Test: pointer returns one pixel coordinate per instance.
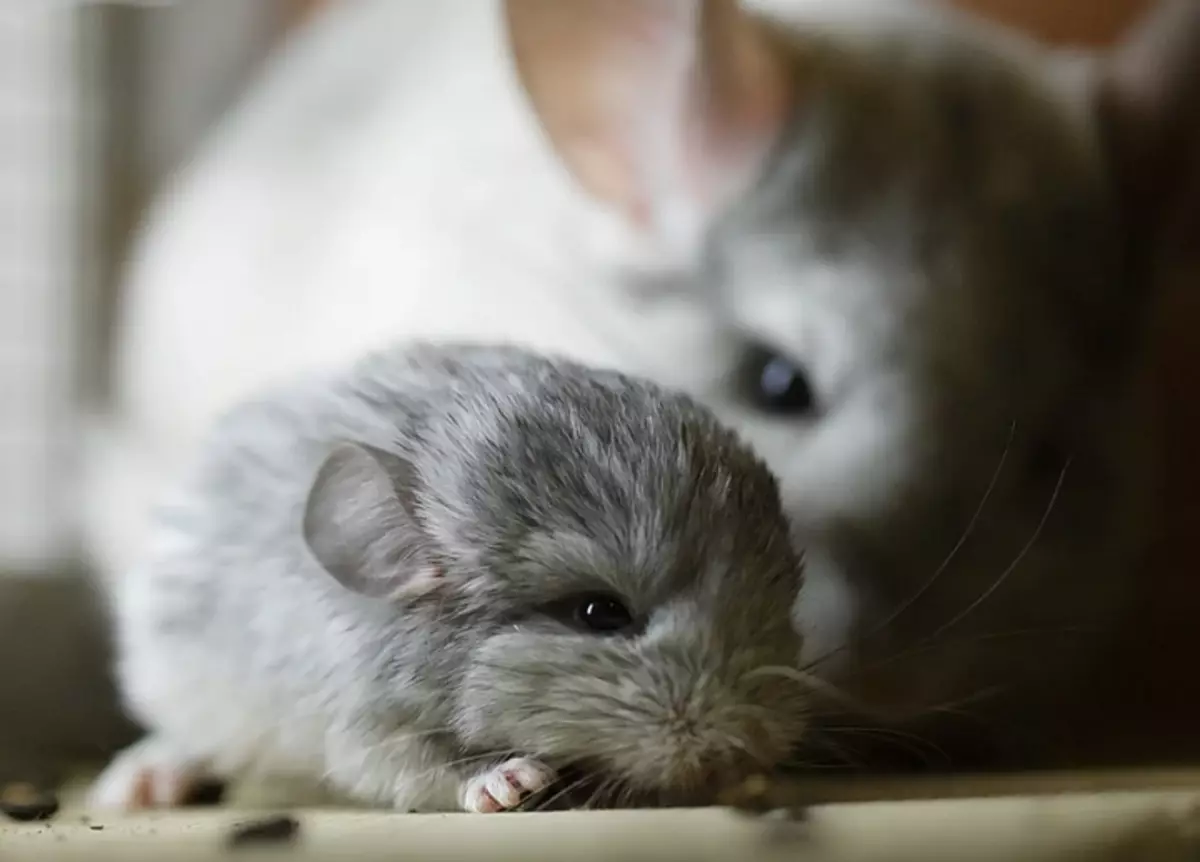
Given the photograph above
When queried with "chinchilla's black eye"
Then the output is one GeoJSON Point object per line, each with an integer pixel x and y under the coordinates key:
{"type": "Point", "coordinates": [776, 384]}
{"type": "Point", "coordinates": [601, 613]}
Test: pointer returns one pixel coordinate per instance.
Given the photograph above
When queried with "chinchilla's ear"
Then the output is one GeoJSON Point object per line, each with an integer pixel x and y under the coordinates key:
{"type": "Point", "coordinates": [360, 526]}
{"type": "Point", "coordinates": [1148, 99]}
{"type": "Point", "coordinates": [660, 108]}
{"type": "Point", "coordinates": [1056, 23]}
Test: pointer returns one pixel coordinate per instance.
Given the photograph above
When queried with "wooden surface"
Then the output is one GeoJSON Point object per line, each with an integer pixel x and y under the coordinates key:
{"type": "Point", "coordinates": [1105, 827]}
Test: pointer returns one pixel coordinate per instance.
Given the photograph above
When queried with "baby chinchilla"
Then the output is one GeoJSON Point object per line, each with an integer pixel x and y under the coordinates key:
{"type": "Point", "coordinates": [441, 578]}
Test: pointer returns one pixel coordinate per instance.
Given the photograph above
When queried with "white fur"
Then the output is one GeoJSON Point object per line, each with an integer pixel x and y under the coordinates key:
{"type": "Point", "coordinates": [389, 180]}
{"type": "Point", "coordinates": [400, 188]}
{"type": "Point", "coordinates": [505, 786]}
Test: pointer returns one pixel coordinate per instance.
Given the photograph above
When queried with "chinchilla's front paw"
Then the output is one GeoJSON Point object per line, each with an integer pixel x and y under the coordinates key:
{"type": "Point", "coordinates": [505, 786]}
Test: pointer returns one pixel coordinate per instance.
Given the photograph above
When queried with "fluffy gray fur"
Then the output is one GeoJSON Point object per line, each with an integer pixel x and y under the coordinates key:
{"type": "Point", "coordinates": [353, 586]}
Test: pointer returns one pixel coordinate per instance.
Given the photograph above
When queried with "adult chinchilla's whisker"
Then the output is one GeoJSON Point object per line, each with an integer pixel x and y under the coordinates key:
{"type": "Point", "coordinates": [926, 646]}
{"type": "Point", "coordinates": [910, 742]}
{"type": "Point", "coordinates": [996, 584]}
{"type": "Point", "coordinates": [962, 539]}
{"type": "Point", "coordinates": [837, 748]}
{"type": "Point", "coordinates": [940, 570]}
{"type": "Point", "coordinates": [798, 724]}
{"type": "Point", "coordinates": [955, 707]}
{"type": "Point", "coordinates": [935, 640]}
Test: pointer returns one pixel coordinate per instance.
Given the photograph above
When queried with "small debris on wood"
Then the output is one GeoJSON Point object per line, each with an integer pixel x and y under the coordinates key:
{"type": "Point", "coordinates": [280, 829]}
{"type": "Point", "coordinates": [758, 795]}
{"type": "Point", "coordinates": [25, 803]}
{"type": "Point", "coordinates": [95, 827]}
{"type": "Point", "coordinates": [205, 794]}
{"type": "Point", "coordinates": [752, 795]}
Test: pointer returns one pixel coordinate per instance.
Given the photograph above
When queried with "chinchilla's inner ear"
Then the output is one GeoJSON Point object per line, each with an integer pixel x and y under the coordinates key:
{"type": "Point", "coordinates": [660, 108]}
{"type": "Point", "coordinates": [1149, 103]}
{"type": "Point", "coordinates": [358, 527]}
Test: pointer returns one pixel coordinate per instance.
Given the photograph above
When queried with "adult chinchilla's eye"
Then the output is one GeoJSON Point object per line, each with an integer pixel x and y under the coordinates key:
{"type": "Point", "coordinates": [776, 384]}
{"type": "Point", "coordinates": [604, 614]}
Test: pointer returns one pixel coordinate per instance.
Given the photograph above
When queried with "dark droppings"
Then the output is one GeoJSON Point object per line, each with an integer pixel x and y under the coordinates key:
{"type": "Point", "coordinates": [25, 803]}
{"type": "Point", "coordinates": [280, 829]}
{"type": "Point", "coordinates": [205, 793]}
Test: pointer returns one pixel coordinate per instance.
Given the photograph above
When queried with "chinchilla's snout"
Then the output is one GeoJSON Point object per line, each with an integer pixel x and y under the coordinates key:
{"type": "Point", "coordinates": [709, 713]}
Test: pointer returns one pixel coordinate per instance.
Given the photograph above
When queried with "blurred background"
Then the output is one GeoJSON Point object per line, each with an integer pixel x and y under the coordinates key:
{"type": "Point", "coordinates": [99, 103]}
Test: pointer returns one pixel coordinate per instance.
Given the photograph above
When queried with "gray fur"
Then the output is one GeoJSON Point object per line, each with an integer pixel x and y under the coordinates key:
{"type": "Point", "coordinates": [451, 492]}
{"type": "Point", "coordinates": [935, 242]}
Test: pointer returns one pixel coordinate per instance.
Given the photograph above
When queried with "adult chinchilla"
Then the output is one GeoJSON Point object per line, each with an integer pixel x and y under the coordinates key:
{"type": "Point", "coordinates": [902, 252]}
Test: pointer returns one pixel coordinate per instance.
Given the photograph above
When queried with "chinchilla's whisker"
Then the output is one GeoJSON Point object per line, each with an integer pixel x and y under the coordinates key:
{"type": "Point", "coordinates": [940, 570]}
{"type": "Point", "coordinates": [810, 681]}
{"type": "Point", "coordinates": [595, 795]}
{"type": "Point", "coordinates": [924, 646]}
{"type": "Point", "coordinates": [837, 747]}
{"type": "Point", "coordinates": [791, 724]}
{"type": "Point", "coordinates": [1012, 567]}
{"type": "Point", "coordinates": [936, 640]}
{"type": "Point", "coordinates": [962, 539]}
{"type": "Point", "coordinates": [562, 792]}
{"type": "Point", "coordinates": [610, 788]}
{"type": "Point", "coordinates": [910, 742]}
{"type": "Point", "coordinates": [955, 707]}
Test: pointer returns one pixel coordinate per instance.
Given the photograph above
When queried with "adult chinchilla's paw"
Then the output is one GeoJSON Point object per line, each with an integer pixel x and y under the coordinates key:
{"type": "Point", "coordinates": [505, 786]}
{"type": "Point", "coordinates": [149, 774]}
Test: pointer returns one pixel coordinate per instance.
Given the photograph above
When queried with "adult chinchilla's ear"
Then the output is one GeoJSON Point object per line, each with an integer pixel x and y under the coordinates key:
{"type": "Point", "coordinates": [660, 108]}
{"type": "Point", "coordinates": [1148, 98]}
{"type": "Point", "coordinates": [360, 529]}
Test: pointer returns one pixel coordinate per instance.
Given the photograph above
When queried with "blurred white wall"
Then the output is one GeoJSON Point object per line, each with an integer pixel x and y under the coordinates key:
{"type": "Point", "coordinates": [194, 57]}
{"type": "Point", "coordinates": [98, 101]}
{"type": "Point", "coordinates": [39, 263]}
{"type": "Point", "coordinates": [177, 65]}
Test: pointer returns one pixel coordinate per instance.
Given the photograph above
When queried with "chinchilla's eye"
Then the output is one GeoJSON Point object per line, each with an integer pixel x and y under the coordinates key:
{"type": "Point", "coordinates": [776, 384]}
{"type": "Point", "coordinates": [595, 613]}
{"type": "Point", "coordinates": [602, 614]}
